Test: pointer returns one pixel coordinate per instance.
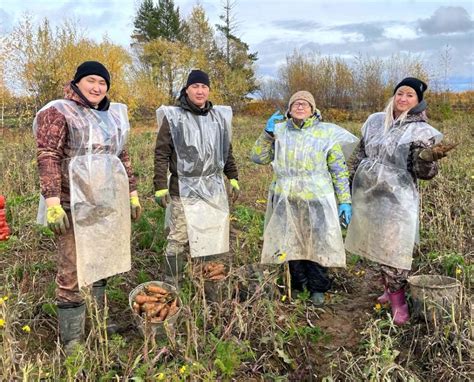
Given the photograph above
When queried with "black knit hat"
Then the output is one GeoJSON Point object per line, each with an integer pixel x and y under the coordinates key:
{"type": "Point", "coordinates": [92, 67]}
{"type": "Point", "coordinates": [417, 85]}
{"type": "Point", "coordinates": [198, 77]}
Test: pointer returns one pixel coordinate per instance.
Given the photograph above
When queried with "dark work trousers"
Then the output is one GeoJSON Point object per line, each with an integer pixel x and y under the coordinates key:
{"type": "Point", "coordinates": [306, 274]}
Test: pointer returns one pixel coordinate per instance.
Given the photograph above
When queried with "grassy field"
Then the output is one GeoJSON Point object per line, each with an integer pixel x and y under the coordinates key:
{"type": "Point", "coordinates": [266, 336]}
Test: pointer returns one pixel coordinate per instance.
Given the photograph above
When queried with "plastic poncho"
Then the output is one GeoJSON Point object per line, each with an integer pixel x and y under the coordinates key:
{"type": "Point", "coordinates": [302, 220]}
{"type": "Point", "coordinates": [100, 205]}
{"type": "Point", "coordinates": [202, 146]}
{"type": "Point", "coordinates": [384, 195]}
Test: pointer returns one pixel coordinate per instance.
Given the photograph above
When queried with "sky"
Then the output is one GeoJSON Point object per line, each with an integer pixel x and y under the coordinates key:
{"type": "Point", "coordinates": [275, 29]}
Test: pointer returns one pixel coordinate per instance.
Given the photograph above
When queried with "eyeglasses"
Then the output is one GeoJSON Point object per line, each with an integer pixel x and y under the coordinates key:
{"type": "Point", "coordinates": [303, 105]}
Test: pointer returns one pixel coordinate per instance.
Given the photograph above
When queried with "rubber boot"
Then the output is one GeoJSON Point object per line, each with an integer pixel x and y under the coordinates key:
{"type": "Point", "coordinates": [399, 305]}
{"type": "Point", "coordinates": [384, 298]}
{"type": "Point", "coordinates": [72, 318]}
{"type": "Point", "coordinates": [98, 293]}
{"type": "Point", "coordinates": [317, 298]}
{"type": "Point", "coordinates": [174, 268]}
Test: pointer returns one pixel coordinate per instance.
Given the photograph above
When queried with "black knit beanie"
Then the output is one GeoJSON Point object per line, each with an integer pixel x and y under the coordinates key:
{"type": "Point", "coordinates": [417, 85]}
{"type": "Point", "coordinates": [198, 77]}
{"type": "Point", "coordinates": [92, 67]}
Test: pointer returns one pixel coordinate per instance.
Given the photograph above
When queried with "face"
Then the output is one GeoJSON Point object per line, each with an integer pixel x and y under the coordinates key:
{"type": "Point", "coordinates": [405, 99]}
{"type": "Point", "coordinates": [300, 109]}
{"type": "Point", "coordinates": [93, 87]}
{"type": "Point", "coordinates": [198, 94]}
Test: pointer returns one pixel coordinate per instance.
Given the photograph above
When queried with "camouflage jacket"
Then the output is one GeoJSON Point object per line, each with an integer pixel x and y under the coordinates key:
{"type": "Point", "coordinates": [54, 152]}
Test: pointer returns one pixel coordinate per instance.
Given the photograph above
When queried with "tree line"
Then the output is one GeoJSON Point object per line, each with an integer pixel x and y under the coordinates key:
{"type": "Point", "coordinates": [37, 60]}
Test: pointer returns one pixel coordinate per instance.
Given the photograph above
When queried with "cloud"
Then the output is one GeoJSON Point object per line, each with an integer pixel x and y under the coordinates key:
{"type": "Point", "coordinates": [297, 25]}
{"type": "Point", "coordinates": [370, 31]}
{"type": "Point", "coordinates": [447, 20]}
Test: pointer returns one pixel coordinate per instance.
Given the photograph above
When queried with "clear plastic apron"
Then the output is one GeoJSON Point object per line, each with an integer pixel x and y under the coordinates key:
{"type": "Point", "coordinates": [384, 223]}
{"type": "Point", "coordinates": [302, 222]}
{"type": "Point", "coordinates": [99, 189]}
{"type": "Point", "coordinates": [202, 146]}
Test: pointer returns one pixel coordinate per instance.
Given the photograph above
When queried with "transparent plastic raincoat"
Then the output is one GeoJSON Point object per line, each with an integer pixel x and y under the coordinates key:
{"type": "Point", "coordinates": [202, 144]}
{"type": "Point", "coordinates": [301, 221]}
{"type": "Point", "coordinates": [100, 205]}
{"type": "Point", "coordinates": [384, 194]}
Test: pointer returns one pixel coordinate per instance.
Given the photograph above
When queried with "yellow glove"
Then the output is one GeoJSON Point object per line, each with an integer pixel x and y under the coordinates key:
{"type": "Point", "coordinates": [235, 189]}
{"type": "Point", "coordinates": [135, 207]}
{"type": "Point", "coordinates": [161, 197]}
{"type": "Point", "coordinates": [57, 219]}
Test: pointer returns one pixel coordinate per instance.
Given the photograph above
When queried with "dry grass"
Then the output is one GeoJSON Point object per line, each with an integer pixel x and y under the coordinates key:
{"type": "Point", "coordinates": [262, 337]}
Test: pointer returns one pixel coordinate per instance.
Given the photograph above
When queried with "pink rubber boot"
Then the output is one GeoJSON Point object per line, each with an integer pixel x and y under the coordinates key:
{"type": "Point", "coordinates": [399, 304]}
{"type": "Point", "coordinates": [384, 298]}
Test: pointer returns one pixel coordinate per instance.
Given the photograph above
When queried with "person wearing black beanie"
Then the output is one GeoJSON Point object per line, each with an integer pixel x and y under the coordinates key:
{"type": "Point", "coordinates": [395, 150]}
{"type": "Point", "coordinates": [88, 192]}
{"type": "Point", "coordinates": [194, 145]}
{"type": "Point", "coordinates": [417, 85]}
{"type": "Point", "coordinates": [88, 68]}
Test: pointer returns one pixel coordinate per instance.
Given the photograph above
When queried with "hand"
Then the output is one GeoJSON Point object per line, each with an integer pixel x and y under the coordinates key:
{"type": "Point", "coordinates": [436, 152]}
{"type": "Point", "coordinates": [57, 219]}
{"type": "Point", "coordinates": [345, 211]}
{"type": "Point", "coordinates": [161, 197]}
{"type": "Point", "coordinates": [135, 207]}
{"type": "Point", "coordinates": [270, 127]}
{"type": "Point", "coordinates": [235, 189]}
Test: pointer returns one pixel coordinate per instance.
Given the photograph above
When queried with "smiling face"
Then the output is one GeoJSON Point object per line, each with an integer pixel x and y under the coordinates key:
{"type": "Point", "coordinates": [300, 110]}
{"type": "Point", "coordinates": [198, 94]}
{"type": "Point", "coordinates": [405, 99]}
{"type": "Point", "coordinates": [93, 87]}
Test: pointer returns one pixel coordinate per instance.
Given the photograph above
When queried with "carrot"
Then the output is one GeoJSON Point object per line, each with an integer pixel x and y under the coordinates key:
{"type": "Point", "coordinates": [216, 272]}
{"type": "Point", "coordinates": [152, 310]}
{"type": "Point", "coordinates": [172, 311]}
{"type": "Point", "coordinates": [142, 298]}
{"type": "Point", "coordinates": [164, 312]}
{"type": "Point", "coordinates": [217, 277]}
{"type": "Point", "coordinates": [136, 308]}
{"type": "Point", "coordinates": [156, 289]}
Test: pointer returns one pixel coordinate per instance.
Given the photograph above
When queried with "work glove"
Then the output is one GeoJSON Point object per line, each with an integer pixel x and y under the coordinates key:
{"type": "Point", "coordinates": [270, 127]}
{"type": "Point", "coordinates": [161, 197]}
{"type": "Point", "coordinates": [345, 213]}
{"type": "Point", "coordinates": [57, 219]}
{"type": "Point", "coordinates": [436, 152]}
{"type": "Point", "coordinates": [135, 207]}
{"type": "Point", "coordinates": [235, 189]}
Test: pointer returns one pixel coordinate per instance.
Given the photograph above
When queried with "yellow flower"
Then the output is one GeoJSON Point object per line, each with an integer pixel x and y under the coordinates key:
{"type": "Point", "coordinates": [458, 271]}
{"type": "Point", "coordinates": [26, 329]}
{"type": "Point", "coordinates": [182, 369]}
{"type": "Point", "coordinates": [261, 201]}
{"type": "Point", "coordinates": [160, 377]}
{"type": "Point", "coordinates": [283, 298]}
{"type": "Point", "coordinates": [282, 256]}
{"type": "Point", "coordinates": [378, 307]}
{"type": "Point", "coordinates": [3, 299]}
{"type": "Point", "coordinates": [2, 322]}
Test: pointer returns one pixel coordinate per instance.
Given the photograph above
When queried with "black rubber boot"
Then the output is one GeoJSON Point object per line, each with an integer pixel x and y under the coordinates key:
{"type": "Point", "coordinates": [298, 277]}
{"type": "Point", "coordinates": [98, 293]}
{"type": "Point", "coordinates": [72, 318]}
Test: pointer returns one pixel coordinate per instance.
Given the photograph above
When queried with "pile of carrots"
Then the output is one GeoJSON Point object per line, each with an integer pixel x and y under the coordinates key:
{"type": "Point", "coordinates": [214, 271]}
{"type": "Point", "coordinates": [155, 303]}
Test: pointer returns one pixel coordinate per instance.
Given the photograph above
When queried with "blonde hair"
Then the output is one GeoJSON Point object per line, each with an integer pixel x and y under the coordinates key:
{"type": "Point", "coordinates": [389, 119]}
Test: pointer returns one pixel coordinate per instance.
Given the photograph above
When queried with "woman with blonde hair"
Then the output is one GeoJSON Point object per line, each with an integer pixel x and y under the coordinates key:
{"type": "Point", "coordinates": [395, 151]}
